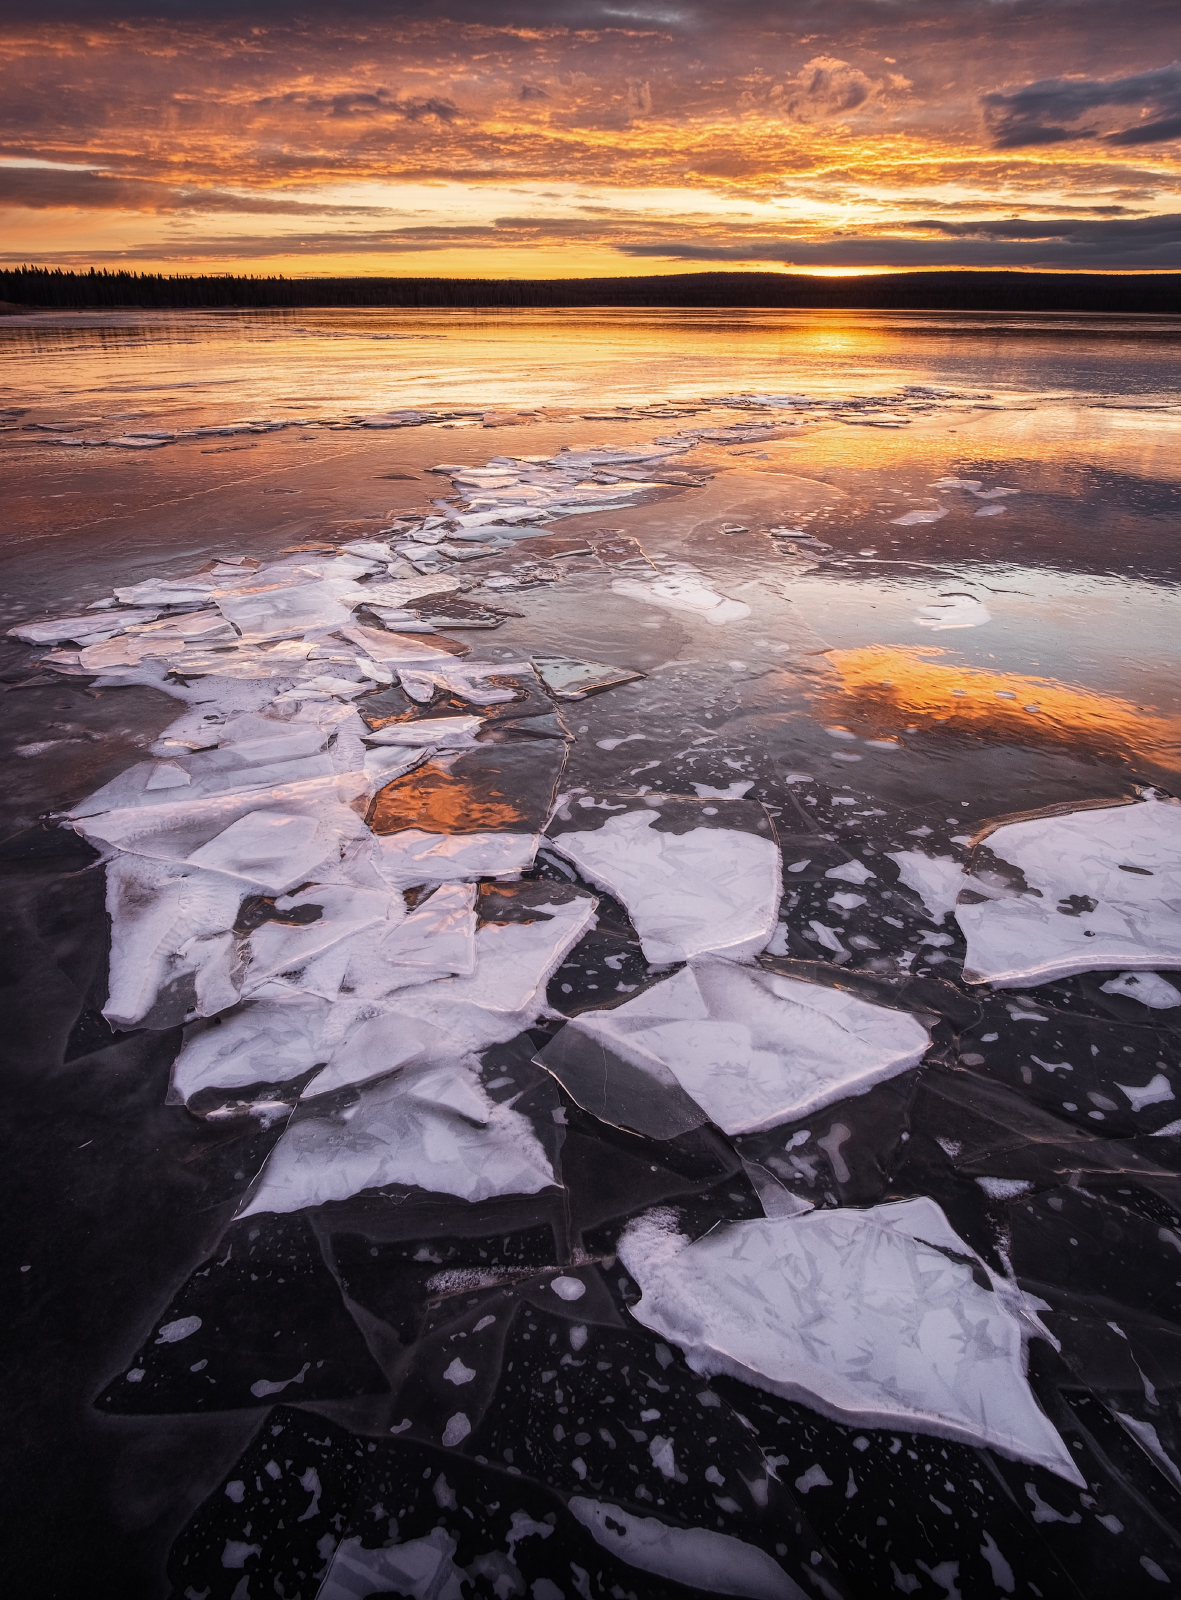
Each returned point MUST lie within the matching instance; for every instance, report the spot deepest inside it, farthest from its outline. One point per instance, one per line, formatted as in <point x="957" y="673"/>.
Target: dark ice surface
<point x="818" y="675"/>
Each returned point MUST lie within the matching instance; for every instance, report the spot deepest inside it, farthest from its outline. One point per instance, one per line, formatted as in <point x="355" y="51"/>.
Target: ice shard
<point x="697" y="1557"/>
<point x="696" y="876"/>
<point x="173" y="951"/>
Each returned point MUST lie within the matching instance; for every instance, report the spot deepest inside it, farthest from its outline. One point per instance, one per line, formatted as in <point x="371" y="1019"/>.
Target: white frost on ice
<point x="953" y="611"/>
<point x="873" y="1317"/>
<point x="715" y="1562"/>
<point x="1103" y="891"/>
<point x="937" y="880"/>
<point x="1147" y="987"/>
<point x="1155" y="1092"/>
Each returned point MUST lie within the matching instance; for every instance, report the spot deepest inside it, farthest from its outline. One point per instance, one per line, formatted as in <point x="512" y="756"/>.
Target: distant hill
<point x="1157" y="294"/>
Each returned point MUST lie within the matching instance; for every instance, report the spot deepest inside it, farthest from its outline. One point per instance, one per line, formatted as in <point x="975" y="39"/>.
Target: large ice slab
<point x="435" y="1128"/>
<point x="696" y="876"/>
<point x="753" y="1049"/>
<point x="874" y="1317"/>
<point x="1086" y="891"/>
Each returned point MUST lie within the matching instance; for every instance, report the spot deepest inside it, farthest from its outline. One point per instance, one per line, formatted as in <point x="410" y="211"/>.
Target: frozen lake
<point x="595" y="973"/>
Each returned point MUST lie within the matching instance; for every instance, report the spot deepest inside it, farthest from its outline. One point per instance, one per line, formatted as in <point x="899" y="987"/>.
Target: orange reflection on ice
<point x="885" y="691"/>
<point x="440" y="800"/>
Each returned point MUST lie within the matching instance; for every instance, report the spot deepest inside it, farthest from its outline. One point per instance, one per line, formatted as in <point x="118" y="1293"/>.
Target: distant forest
<point x="54" y="289"/>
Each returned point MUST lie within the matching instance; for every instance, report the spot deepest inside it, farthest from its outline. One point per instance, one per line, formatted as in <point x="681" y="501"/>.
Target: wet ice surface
<point x="551" y="953"/>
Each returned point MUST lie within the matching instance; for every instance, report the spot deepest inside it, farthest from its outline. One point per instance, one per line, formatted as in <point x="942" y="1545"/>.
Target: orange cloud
<point x="852" y="146"/>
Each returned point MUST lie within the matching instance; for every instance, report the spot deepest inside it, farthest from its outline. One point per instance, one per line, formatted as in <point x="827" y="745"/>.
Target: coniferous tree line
<point x="61" y="289"/>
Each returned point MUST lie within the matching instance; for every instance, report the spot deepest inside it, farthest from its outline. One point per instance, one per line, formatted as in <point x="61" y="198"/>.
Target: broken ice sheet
<point x="696" y="876"/>
<point x="644" y="1099"/>
<point x="753" y="1049"/>
<point x="570" y="679"/>
<point x="477" y="813"/>
<point x="433" y="938"/>
<point x="441" y="732"/>
<point x="260" y="1042"/>
<point x="451" y="1019"/>
<point x="1089" y="890"/>
<point x="434" y="1128"/>
<point x="874" y="1317"/>
<point x="341" y="911"/>
<point x="398" y="649"/>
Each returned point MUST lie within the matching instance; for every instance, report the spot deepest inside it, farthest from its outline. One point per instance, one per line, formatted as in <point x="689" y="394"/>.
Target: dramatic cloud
<point x="588" y="136"/>
<point x="827" y="87"/>
<point x="1039" y="113"/>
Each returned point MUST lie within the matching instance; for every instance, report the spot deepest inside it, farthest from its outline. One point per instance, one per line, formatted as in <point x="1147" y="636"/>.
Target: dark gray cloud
<point x="1052" y="111"/>
<point x="1142" y="244"/>
<point x="368" y="103"/>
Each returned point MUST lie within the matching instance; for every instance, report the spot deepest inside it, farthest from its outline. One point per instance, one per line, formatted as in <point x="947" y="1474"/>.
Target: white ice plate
<point x="865" y="1315"/>
<point x="1104" y="891"/>
<point x="710" y="889"/>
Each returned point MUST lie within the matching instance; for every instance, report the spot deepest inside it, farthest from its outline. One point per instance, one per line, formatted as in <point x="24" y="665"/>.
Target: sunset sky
<point x="577" y="137"/>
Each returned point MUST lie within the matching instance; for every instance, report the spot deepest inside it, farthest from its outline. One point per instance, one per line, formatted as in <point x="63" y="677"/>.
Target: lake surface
<point x="852" y="587"/>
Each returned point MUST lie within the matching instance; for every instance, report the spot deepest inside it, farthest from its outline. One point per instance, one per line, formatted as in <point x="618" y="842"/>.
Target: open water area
<point x="593" y="965"/>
